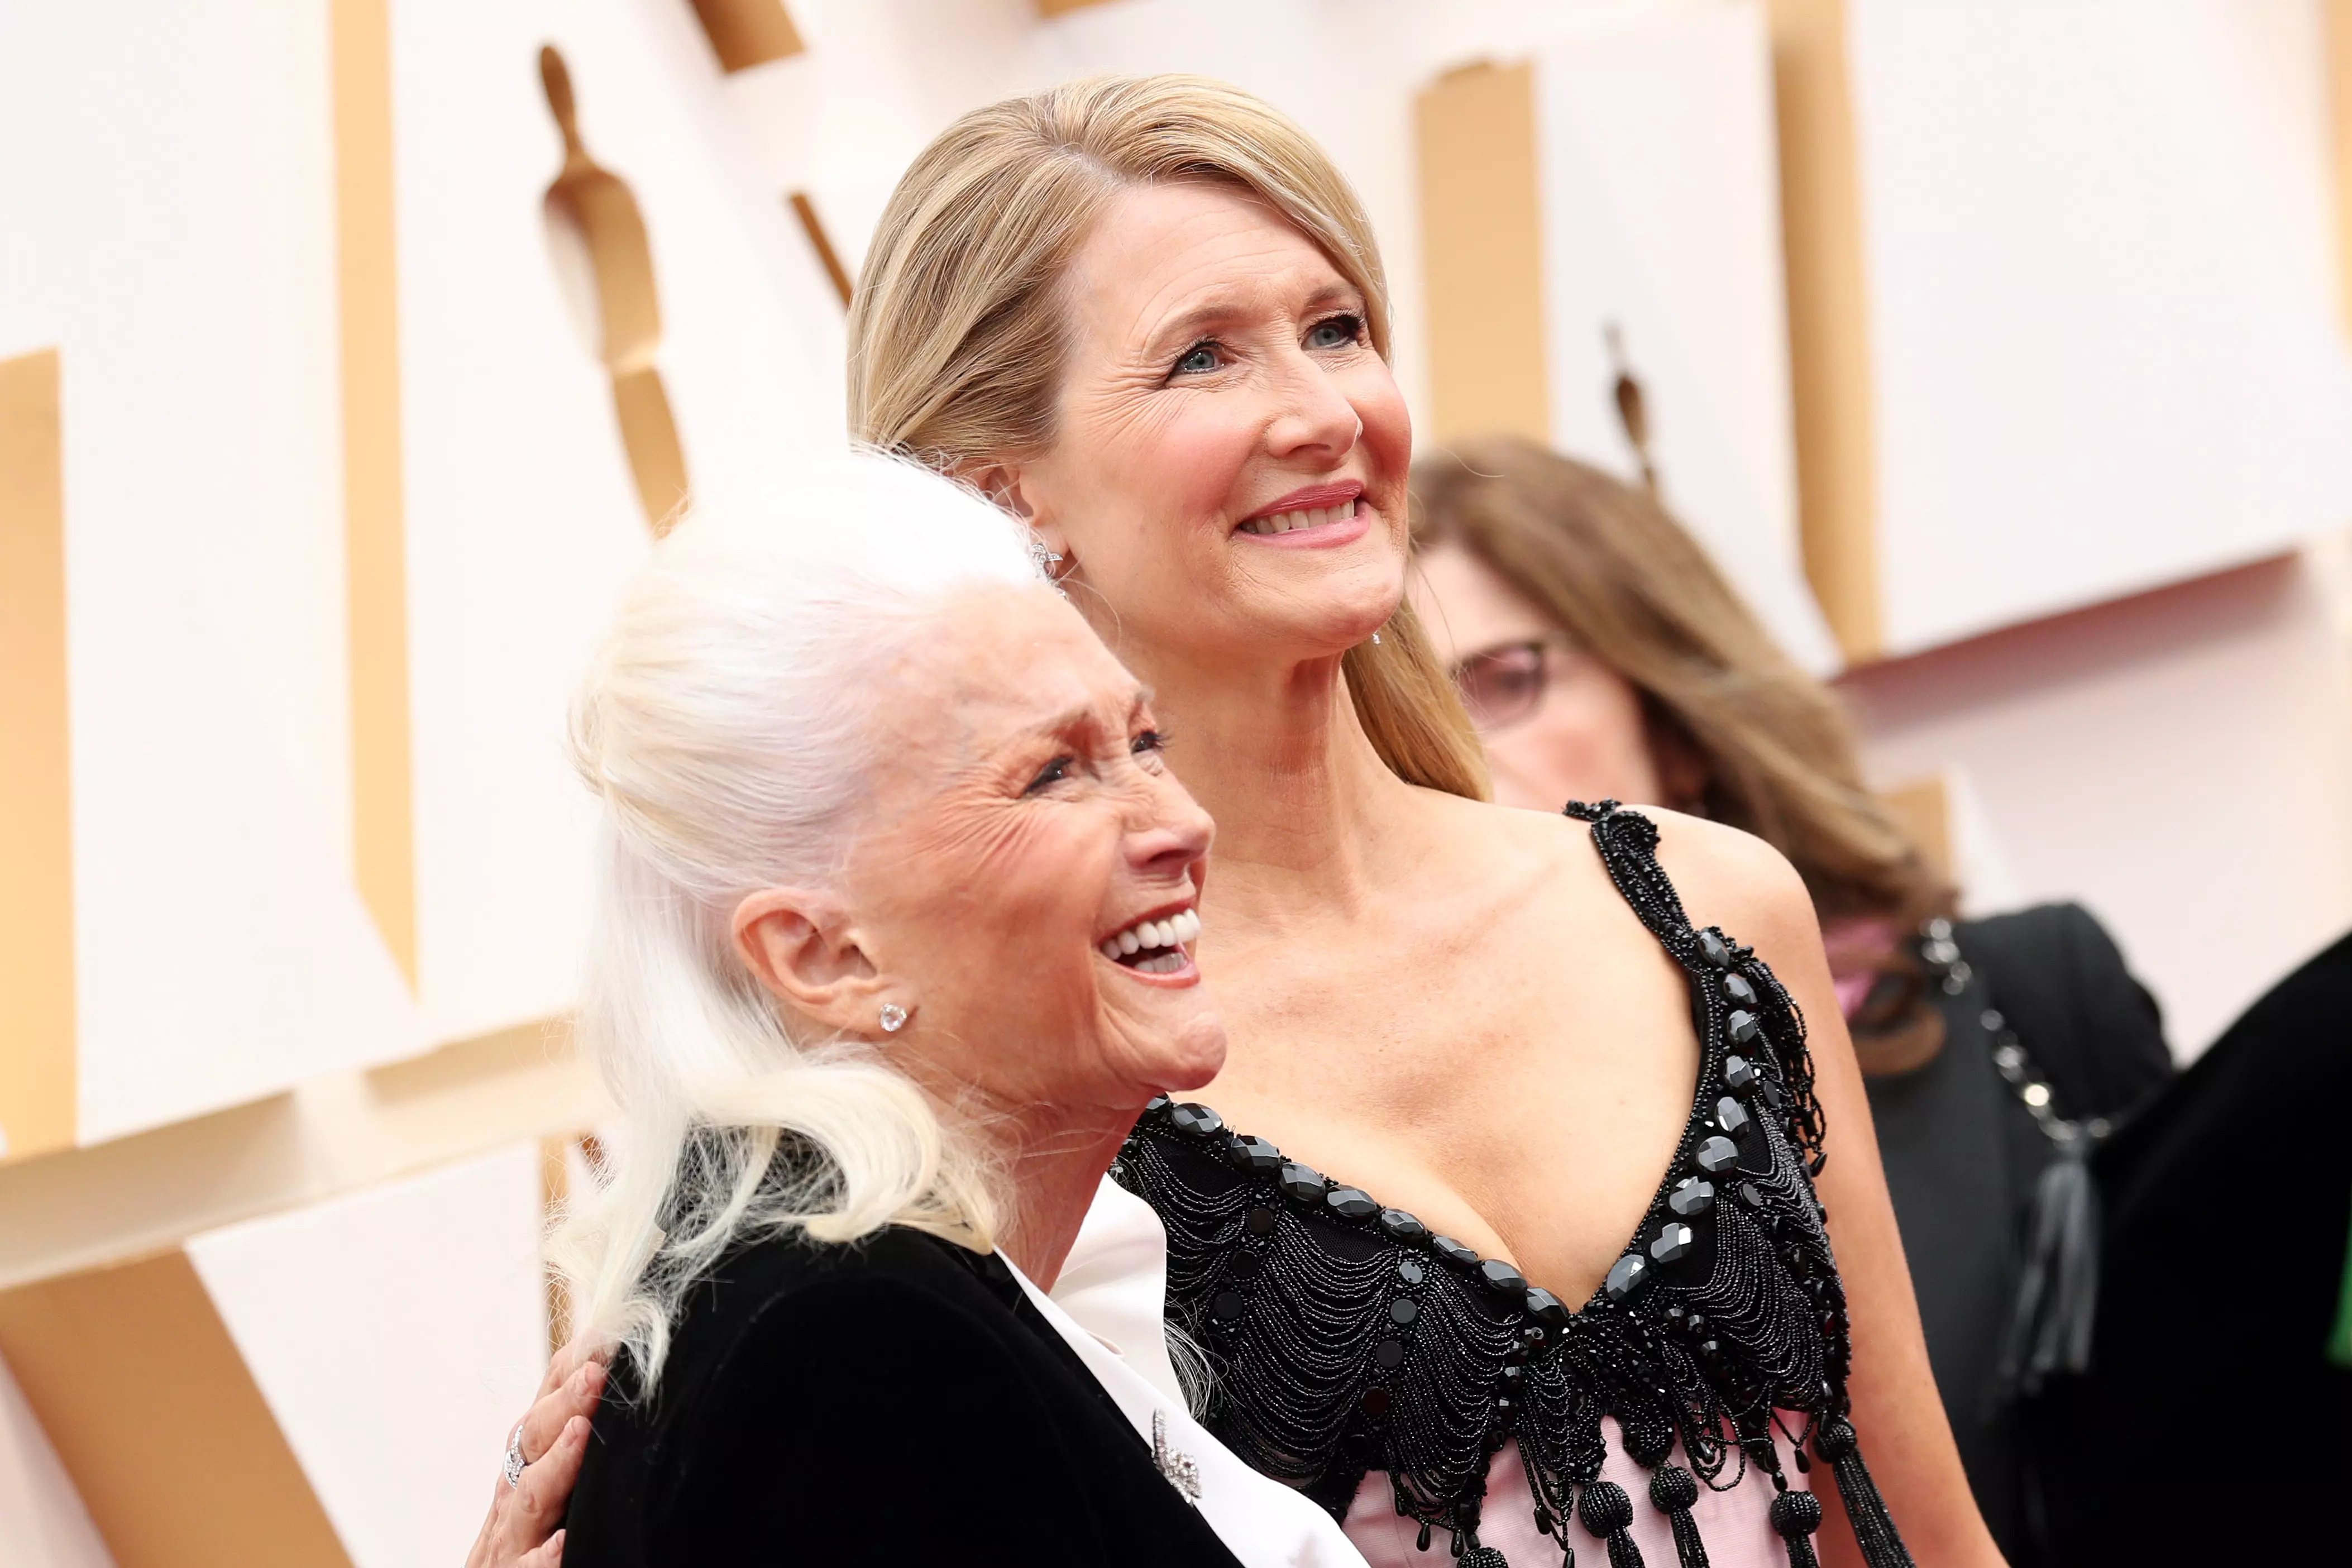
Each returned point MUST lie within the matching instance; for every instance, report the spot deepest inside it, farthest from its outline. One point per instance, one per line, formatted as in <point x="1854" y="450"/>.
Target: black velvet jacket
<point x="900" y="1400"/>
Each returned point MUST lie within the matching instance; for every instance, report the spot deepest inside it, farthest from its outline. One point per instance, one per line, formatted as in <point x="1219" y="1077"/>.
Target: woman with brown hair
<point x="1602" y="654"/>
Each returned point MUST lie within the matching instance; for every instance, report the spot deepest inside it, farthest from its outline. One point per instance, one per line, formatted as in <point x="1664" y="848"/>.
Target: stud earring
<point x="894" y="1017"/>
<point x="1045" y="559"/>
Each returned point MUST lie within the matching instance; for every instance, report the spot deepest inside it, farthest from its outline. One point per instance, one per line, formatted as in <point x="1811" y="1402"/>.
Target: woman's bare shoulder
<point x="1732" y="878"/>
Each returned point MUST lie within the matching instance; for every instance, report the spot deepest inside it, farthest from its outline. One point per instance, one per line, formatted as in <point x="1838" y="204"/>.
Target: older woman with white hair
<point x="890" y="951"/>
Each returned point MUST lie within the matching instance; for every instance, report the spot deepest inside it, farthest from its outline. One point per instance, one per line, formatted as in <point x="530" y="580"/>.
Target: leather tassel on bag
<point x="2049" y="1329"/>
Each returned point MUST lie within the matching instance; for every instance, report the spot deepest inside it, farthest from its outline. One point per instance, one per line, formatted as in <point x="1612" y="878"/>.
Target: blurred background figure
<point x="1603" y="656"/>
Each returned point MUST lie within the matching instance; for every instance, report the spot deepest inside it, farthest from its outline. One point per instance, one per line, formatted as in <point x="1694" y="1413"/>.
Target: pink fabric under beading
<point x="1736" y="1524"/>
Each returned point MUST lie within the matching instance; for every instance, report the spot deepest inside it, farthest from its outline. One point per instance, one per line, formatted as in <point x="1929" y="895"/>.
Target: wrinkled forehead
<point x="996" y="663"/>
<point x="1191" y="247"/>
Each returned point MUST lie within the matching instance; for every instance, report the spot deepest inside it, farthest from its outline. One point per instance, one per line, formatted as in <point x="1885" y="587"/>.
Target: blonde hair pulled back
<point x="957" y="327"/>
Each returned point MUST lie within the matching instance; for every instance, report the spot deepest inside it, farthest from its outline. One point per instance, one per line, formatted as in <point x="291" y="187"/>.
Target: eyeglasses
<point x="1501" y="686"/>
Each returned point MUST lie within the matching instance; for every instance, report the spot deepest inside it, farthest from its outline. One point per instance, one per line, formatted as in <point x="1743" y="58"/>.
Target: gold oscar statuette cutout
<point x="36" y="927"/>
<point x="591" y="205"/>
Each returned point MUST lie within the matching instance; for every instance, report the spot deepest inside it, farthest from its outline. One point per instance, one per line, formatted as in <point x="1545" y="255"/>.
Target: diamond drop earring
<point x="894" y="1017"/>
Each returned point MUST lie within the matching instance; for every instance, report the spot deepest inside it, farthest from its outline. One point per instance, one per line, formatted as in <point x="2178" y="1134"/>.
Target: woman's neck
<point x="1300" y="798"/>
<point x="1054" y="1163"/>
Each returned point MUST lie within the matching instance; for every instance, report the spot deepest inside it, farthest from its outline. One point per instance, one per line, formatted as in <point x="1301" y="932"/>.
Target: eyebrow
<point x="1081" y="712"/>
<point x="1194" y="323"/>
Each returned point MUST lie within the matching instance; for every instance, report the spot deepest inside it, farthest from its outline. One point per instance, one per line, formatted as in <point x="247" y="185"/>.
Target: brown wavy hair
<point x="957" y="326"/>
<point x="1607" y="563"/>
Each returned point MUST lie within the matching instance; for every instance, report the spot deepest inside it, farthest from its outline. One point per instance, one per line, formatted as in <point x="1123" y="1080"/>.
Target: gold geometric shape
<point x="36" y="905"/>
<point x="384" y="836"/>
<point x="1482" y="252"/>
<point x="746" y="33"/>
<point x="822" y="243"/>
<point x="153" y="1412"/>
<point x="1829" y="345"/>
<point x="595" y="207"/>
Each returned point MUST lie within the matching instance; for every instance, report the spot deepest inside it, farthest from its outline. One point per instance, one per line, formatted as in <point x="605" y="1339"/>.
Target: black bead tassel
<point x="1873" y="1527"/>
<point x="1608" y="1512"/>
<point x="1796" y="1515"/>
<point x="1672" y="1491"/>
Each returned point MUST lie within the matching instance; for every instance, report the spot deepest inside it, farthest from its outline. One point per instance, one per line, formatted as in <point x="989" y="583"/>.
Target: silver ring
<point x="512" y="1465"/>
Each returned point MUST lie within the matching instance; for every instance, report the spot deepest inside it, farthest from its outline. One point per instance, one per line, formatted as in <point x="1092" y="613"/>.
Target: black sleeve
<point x="2058" y="976"/>
<point x="868" y="1419"/>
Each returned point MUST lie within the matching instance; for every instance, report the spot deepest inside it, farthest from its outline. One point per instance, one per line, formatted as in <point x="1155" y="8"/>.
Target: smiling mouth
<point x="1304" y="517"/>
<point x="1154" y="946"/>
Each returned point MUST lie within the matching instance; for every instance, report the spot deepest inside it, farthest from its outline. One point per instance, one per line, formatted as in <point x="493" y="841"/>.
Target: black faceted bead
<point x="1731" y="1116"/>
<point x="1714" y="950"/>
<point x="1403" y="1227"/>
<point x="1717" y="1155"/>
<point x="1454" y="1252"/>
<point x="1244" y="1265"/>
<point x="1228" y="1306"/>
<point x="1155" y="1105"/>
<point x="1697" y="1322"/>
<point x="1546" y="1308"/>
<point x="1252" y="1153"/>
<point x="1691" y="1197"/>
<point x="1741" y="1027"/>
<point x="1738" y="1073"/>
<point x="1497" y="1275"/>
<point x="1350" y="1203"/>
<point x="1197" y="1120"/>
<point x="1303" y="1183"/>
<point x="1737" y="991"/>
<point x="1258" y="1222"/>
<point x="1376" y="1403"/>
<point x="1626" y="1276"/>
<point x="1678" y="1317"/>
<point x="1512" y="1377"/>
<point x="1410" y="1270"/>
<point x="1750" y="1194"/>
<point x="1403" y="1311"/>
<point x="1675" y="1242"/>
<point x="1388" y="1354"/>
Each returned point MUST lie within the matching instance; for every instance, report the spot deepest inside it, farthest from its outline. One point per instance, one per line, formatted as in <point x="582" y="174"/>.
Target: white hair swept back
<point x="722" y="726"/>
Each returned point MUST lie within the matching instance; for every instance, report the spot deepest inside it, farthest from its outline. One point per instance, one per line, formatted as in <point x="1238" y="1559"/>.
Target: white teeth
<point x="1311" y="517"/>
<point x="1178" y="929"/>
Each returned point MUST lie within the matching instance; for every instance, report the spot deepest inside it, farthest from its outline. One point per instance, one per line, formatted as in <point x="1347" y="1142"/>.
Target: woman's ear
<point x="1008" y="486"/>
<point x="805" y="952"/>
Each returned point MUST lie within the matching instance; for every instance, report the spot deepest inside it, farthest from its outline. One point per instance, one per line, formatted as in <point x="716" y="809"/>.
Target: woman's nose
<point x="1316" y="413"/>
<point x="1173" y="831"/>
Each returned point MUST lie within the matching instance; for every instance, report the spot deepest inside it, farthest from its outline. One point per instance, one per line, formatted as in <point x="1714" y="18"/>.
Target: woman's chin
<point x="1176" y="1056"/>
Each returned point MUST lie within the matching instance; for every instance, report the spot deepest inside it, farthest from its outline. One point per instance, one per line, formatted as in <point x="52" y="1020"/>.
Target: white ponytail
<point x="723" y="725"/>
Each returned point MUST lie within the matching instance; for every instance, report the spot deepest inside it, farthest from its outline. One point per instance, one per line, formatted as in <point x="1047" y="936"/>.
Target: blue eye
<point x="1336" y="332"/>
<point x="1199" y="357"/>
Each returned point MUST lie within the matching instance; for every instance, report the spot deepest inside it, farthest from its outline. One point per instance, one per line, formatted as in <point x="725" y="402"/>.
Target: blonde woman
<point x="1601" y="653"/>
<point x="1486" y="1066"/>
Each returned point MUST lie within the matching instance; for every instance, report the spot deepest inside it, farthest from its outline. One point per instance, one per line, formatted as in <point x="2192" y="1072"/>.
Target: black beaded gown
<point x="1344" y="1340"/>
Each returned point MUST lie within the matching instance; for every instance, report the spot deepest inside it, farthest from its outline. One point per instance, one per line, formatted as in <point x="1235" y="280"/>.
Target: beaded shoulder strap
<point x="1627" y="842"/>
